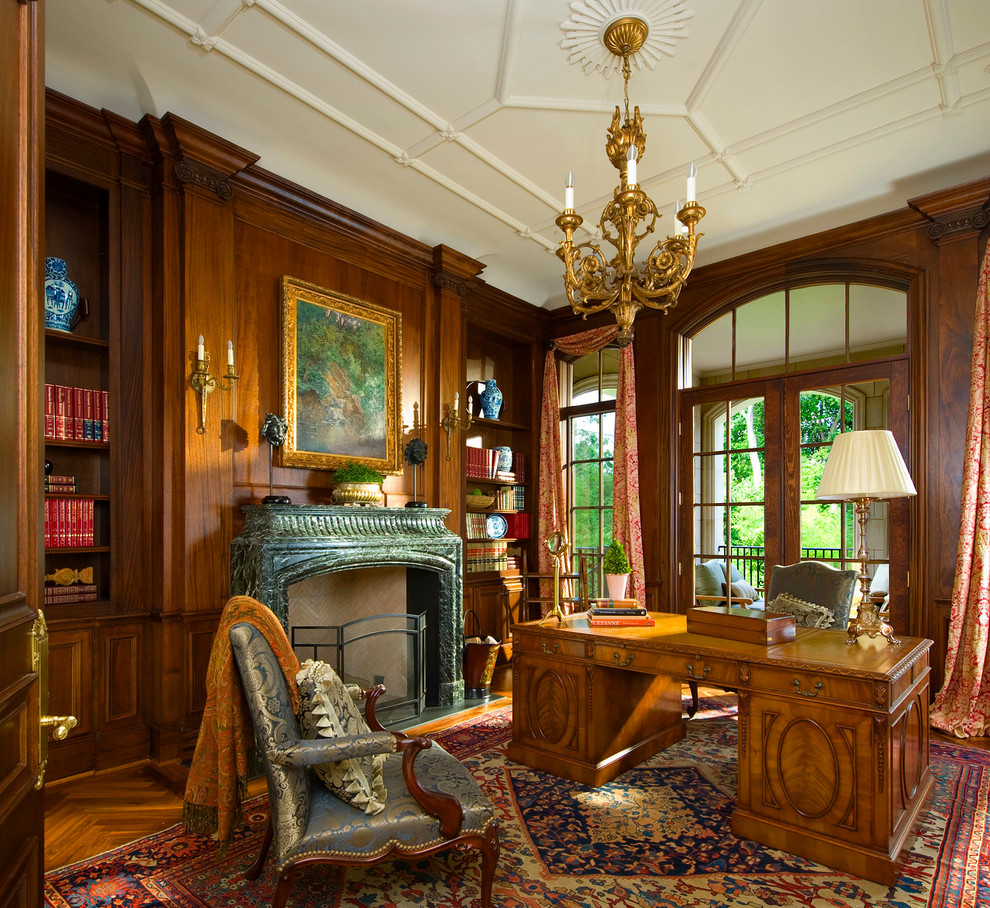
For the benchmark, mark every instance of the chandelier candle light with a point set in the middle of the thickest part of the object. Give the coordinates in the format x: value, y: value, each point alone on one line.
x: 594, y: 283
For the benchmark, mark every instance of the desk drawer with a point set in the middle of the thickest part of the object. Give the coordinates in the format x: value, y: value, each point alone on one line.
x: 705, y: 669
x: 827, y: 688
x: 548, y: 646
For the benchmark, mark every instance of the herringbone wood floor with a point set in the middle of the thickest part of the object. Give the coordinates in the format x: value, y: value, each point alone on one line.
x: 87, y: 815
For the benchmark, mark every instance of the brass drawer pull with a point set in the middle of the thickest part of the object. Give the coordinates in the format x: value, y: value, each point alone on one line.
x: 617, y: 657
x: 551, y: 649
x: 819, y: 685
x: 702, y: 676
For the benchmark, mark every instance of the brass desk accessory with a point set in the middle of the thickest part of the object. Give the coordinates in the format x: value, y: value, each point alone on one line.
x: 557, y: 546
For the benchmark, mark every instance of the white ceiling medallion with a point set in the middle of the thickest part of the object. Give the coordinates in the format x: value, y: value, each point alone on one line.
x: 590, y: 18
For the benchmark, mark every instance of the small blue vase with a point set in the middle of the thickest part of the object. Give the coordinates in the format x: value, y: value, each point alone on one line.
x: 61, y: 296
x: 504, y: 458
x: 491, y: 400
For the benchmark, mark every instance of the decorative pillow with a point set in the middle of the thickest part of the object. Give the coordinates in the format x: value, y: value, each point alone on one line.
x: 327, y: 710
x: 708, y: 579
x: 743, y: 590
x: 806, y: 614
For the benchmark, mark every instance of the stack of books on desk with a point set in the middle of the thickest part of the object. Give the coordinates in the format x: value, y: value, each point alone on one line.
x: 618, y: 613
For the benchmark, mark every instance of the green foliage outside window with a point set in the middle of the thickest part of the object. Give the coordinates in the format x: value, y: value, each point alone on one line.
x: 820, y: 423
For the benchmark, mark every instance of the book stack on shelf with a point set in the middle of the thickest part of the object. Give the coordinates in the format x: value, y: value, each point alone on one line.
x: 62, y: 485
x: 492, y: 555
x: 70, y: 585
x: 474, y: 524
x: 482, y: 463
x: 68, y: 522
x: 76, y: 414
x: 77, y: 592
x: 510, y: 498
x: 618, y: 613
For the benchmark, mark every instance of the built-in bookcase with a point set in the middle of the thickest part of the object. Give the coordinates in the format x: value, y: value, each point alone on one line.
x: 77, y: 379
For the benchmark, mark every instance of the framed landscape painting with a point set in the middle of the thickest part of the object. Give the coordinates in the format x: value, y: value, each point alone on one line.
x: 341, y: 362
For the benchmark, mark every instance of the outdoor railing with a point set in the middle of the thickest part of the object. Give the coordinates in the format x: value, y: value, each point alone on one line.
x: 750, y: 560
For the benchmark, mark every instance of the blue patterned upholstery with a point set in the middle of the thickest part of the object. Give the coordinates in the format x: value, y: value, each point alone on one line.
x: 817, y: 582
x: 309, y: 821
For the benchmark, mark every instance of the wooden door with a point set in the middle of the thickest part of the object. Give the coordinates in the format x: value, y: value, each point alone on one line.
x: 21, y: 326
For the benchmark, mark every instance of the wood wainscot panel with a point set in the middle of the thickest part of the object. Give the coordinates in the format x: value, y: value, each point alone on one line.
x: 19, y: 882
x: 199, y: 643
x: 121, y: 646
x: 15, y: 714
x: 938, y: 630
x: 70, y: 684
x: 70, y: 676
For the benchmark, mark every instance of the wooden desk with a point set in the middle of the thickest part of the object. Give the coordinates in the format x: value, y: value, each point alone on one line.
x: 833, y: 738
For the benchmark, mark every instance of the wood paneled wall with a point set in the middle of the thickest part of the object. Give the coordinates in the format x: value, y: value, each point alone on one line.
x: 933, y: 248
x: 201, y: 237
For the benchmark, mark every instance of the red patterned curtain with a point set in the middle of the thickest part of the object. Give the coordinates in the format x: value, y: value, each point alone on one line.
x: 552, y: 517
x: 962, y: 707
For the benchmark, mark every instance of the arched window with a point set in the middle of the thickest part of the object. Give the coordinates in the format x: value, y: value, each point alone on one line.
x: 766, y: 387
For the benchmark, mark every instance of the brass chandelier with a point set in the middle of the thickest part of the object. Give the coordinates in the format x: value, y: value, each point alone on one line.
x: 594, y: 283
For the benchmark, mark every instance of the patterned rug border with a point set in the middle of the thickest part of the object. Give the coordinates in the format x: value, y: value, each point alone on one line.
x: 572, y: 859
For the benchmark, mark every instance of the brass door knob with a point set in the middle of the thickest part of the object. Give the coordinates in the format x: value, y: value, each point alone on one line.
x: 60, y: 725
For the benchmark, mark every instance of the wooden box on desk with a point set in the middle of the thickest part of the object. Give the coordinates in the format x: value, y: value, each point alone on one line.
x: 749, y: 625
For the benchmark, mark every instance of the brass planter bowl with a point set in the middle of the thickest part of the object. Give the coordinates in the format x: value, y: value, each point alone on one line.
x: 357, y: 493
x: 479, y: 502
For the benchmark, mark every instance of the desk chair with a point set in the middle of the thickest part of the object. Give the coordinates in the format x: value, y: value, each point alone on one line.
x: 817, y: 583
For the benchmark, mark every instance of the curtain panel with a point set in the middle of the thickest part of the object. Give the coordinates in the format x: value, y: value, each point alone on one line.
x: 962, y: 707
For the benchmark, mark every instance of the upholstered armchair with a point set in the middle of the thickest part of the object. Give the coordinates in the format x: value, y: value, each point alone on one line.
x: 793, y: 587
x: 309, y: 824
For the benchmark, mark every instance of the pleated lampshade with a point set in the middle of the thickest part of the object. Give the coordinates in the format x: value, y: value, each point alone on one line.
x: 865, y: 464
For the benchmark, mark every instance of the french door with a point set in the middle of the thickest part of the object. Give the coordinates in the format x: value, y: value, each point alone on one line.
x: 751, y: 455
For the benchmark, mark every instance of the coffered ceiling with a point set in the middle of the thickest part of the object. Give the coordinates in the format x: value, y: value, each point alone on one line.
x: 456, y: 121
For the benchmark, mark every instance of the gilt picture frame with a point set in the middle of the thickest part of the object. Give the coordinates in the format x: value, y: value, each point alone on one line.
x: 341, y: 365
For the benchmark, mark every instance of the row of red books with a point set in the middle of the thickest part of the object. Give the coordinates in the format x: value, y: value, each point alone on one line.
x: 518, y: 526
x: 77, y: 592
x: 68, y: 522
x: 79, y: 414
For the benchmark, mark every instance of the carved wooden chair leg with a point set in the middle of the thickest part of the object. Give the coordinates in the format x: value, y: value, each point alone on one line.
x: 254, y: 871
x: 489, y: 860
x: 282, y: 888
x: 693, y: 708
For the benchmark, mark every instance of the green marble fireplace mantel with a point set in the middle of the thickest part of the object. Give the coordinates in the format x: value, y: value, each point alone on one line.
x: 282, y: 544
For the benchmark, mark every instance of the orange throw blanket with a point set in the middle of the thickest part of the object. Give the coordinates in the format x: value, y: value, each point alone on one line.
x: 219, y: 773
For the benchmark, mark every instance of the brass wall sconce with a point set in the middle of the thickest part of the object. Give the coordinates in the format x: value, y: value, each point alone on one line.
x: 453, y: 421
x: 203, y: 383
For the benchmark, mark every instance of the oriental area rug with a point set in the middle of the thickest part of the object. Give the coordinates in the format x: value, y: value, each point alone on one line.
x: 656, y: 837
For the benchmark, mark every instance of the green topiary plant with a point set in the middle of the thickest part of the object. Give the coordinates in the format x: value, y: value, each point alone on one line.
x: 615, y: 559
x: 352, y: 471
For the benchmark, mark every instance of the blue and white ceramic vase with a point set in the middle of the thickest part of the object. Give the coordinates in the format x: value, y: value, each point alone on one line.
x: 491, y: 400
x: 61, y: 296
x: 504, y: 458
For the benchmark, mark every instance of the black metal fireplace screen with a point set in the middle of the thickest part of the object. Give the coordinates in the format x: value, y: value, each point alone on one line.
x: 395, y: 644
